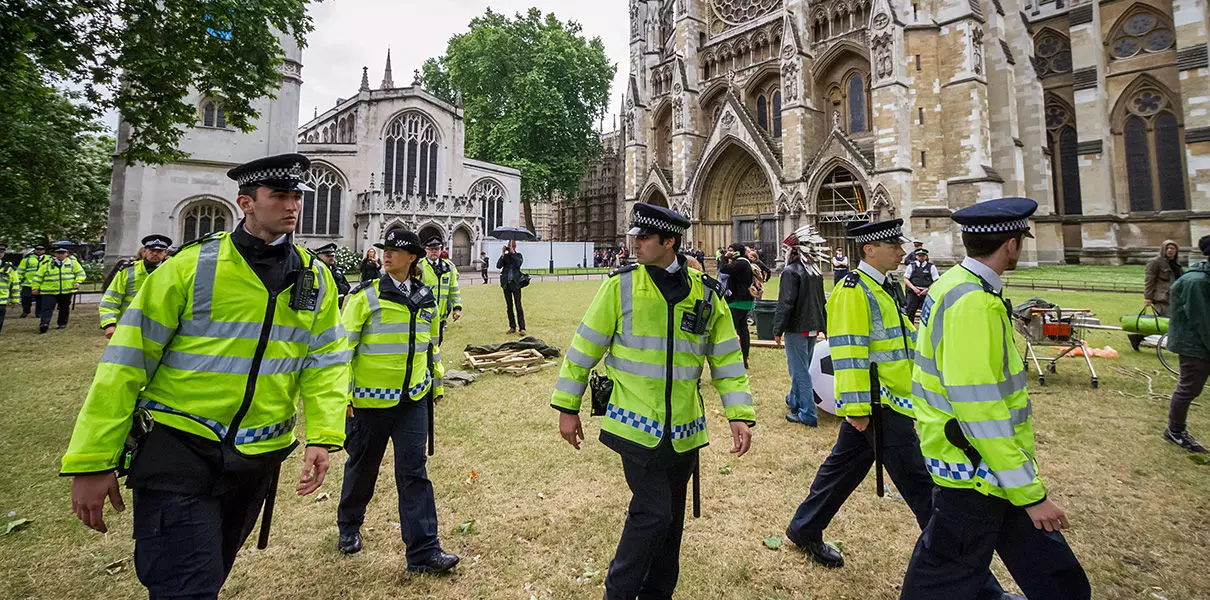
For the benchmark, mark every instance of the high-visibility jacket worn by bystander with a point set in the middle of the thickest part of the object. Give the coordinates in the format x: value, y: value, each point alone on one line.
x: 121, y: 292
x: 968, y: 369
x: 60, y: 278
x: 394, y: 342
x: 29, y: 267
x: 208, y: 350
x: 10, y: 284
x: 443, y: 281
x: 866, y: 325
x: 655, y: 364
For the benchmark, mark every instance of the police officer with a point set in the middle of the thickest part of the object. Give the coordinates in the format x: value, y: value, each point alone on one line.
x: 441, y: 276
x: 397, y: 380
x: 658, y: 320
x: 10, y: 282
x: 26, y: 270
x: 866, y: 325
x: 54, y: 284
x: 216, y: 350
x: 919, y: 276
x: 327, y: 254
x: 976, y: 431
x: 129, y: 280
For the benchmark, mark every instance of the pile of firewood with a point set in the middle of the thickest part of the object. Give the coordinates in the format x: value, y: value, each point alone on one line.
x: 513, y: 362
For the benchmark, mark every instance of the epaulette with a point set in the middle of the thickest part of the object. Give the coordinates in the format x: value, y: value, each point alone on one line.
x: 851, y: 279
x: 713, y: 284
x: 205, y: 238
x: 624, y: 269
x: 361, y: 286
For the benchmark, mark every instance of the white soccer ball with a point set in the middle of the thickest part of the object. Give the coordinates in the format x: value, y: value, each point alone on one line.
x: 823, y: 378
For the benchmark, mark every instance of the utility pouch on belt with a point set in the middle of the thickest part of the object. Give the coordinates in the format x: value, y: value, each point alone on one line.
x: 139, y: 428
x: 954, y: 435
x: 602, y: 388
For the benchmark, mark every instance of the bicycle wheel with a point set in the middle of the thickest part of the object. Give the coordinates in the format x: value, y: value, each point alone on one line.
x: 1168, y: 359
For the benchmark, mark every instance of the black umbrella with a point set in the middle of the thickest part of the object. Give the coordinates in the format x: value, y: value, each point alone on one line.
x: 519, y: 234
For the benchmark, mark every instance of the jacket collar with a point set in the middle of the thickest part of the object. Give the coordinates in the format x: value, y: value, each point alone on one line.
x: 983, y: 272
x: 874, y: 274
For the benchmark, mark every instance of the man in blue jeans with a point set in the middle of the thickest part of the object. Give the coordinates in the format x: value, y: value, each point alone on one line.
x: 800, y: 318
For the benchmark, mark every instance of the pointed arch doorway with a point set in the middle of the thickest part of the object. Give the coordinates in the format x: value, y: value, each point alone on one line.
x: 737, y: 204
x: 841, y: 201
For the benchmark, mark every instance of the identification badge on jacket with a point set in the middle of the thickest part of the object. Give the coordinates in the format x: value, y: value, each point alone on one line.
x: 695, y: 322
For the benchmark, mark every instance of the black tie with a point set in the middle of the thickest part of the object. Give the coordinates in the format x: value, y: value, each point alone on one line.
x: 893, y: 290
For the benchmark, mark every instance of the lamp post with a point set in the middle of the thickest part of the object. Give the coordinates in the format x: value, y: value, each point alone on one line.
x: 552, y: 255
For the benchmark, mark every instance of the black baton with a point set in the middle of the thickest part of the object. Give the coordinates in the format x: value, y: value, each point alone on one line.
x: 266, y: 520
x: 876, y: 425
x: 697, y: 487
x: 431, y: 439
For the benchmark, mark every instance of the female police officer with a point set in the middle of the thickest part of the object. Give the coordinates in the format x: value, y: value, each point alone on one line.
x: 397, y: 373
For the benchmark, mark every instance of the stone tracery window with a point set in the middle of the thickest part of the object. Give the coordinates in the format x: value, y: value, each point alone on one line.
x: 1053, y: 52
x: 490, y: 196
x: 729, y: 13
x: 321, y: 209
x: 1064, y: 159
x: 412, y: 148
x: 203, y: 218
x: 1141, y: 30
x: 212, y: 114
x: 1151, y: 137
x: 857, y: 104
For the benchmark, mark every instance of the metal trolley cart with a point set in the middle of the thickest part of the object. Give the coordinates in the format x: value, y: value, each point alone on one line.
x: 1055, y: 327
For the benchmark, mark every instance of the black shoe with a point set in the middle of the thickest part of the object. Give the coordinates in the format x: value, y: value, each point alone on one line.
x: 821, y: 552
x: 23, y: 315
x: 1184, y: 440
x: 350, y: 544
x: 60, y: 327
x: 439, y: 562
x: 511, y: 331
x: 42, y: 328
x: 1135, y: 340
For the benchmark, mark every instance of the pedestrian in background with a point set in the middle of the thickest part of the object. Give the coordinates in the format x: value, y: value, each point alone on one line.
x: 509, y: 263
x: 918, y: 278
x: 840, y: 266
x: 1189, y: 338
x: 10, y: 284
x: 371, y: 267
x: 54, y: 284
x: 1161, y: 272
x: 737, y: 271
x: 799, y: 319
x: 483, y: 265
x: 26, y: 270
x: 128, y: 280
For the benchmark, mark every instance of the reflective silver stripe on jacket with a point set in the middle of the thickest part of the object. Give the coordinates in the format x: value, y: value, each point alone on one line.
x: 652, y: 371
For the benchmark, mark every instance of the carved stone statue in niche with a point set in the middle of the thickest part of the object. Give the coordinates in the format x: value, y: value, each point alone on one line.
x: 636, y: 17
x: 678, y: 120
x: 630, y: 125
x: 977, y: 49
x: 789, y: 78
x: 836, y: 119
x: 884, y: 65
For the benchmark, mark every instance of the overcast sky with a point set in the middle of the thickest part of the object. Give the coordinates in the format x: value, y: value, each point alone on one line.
x: 350, y: 34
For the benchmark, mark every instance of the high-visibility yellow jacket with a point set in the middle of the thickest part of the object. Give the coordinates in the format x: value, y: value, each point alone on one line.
x: 866, y: 325
x: 654, y: 363
x: 394, y: 342
x: 445, y: 287
x: 207, y: 350
x: 968, y: 370
x: 59, y: 278
x: 10, y: 284
x: 121, y: 292
x: 29, y: 267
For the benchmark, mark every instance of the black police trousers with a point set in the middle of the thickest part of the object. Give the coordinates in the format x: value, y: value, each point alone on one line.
x: 185, y: 544
x: 648, y: 560
x: 3, y: 310
x: 46, y: 308
x: 847, y: 466
x: 367, y: 433
x: 27, y: 300
x: 955, y: 550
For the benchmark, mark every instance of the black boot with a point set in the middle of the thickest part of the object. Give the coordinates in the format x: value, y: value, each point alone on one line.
x: 1135, y: 340
x: 1184, y: 440
x: 822, y: 553
x: 349, y: 544
x: 439, y: 562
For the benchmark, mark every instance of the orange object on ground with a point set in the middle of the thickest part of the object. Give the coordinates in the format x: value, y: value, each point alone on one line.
x: 1106, y: 352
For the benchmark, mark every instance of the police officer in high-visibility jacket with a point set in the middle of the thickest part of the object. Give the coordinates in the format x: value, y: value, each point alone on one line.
x: 441, y: 276
x: 10, y: 282
x: 26, y: 269
x: 129, y: 280
x: 216, y: 350
x: 976, y: 429
x: 397, y: 380
x: 658, y: 321
x: 54, y: 284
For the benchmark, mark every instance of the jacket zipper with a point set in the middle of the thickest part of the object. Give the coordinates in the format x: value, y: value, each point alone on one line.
x: 668, y: 379
x: 254, y: 373
x: 407, y: 377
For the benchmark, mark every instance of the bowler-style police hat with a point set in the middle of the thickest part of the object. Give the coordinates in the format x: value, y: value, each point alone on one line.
x: 434, y: 242
x: 329, y: 249
x: 62, y: 248
x: 156, y: 241
x: 283, y: 173
x: 1002, y: 215
x: 649, y: 219
x: 890, y: 232
x: 39, y: 247
x: 401, y: 239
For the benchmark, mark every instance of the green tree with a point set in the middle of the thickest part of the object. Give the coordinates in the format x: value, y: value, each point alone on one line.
x: 533, y: 88
x: 142, y: 57
x: 55, y: 166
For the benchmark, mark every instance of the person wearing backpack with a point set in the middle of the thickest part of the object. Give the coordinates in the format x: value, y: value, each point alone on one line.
x: 736, y: 272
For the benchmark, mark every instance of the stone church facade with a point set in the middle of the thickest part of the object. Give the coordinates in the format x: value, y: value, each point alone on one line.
x: 753, y: 117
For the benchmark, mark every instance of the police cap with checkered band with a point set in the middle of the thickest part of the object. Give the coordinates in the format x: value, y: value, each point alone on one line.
x: 283, y: 173
x: 1002, y: 215
x: 649, y: 219
x: 890, y: 232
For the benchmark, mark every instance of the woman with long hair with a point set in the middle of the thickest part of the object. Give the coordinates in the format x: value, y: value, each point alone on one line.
x: 397, y: 380
x: 371, y: 267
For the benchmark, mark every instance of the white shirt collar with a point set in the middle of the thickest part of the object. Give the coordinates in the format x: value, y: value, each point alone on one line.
x: 874, y: 274
x: 279, y: 241
x: 674, y: 267
x: 985, y: 272
x: 403, y: 286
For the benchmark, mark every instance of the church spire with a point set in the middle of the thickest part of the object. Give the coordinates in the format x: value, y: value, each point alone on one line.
x: 365, y: 79
x: 387, y: 81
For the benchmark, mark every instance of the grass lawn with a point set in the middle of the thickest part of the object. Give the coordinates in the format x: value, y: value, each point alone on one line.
x: 547, y: 518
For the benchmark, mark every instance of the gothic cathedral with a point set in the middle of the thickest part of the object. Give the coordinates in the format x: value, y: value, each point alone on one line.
x: 752, y: 117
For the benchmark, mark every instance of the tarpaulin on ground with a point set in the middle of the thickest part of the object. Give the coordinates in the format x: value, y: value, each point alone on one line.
x: 525, y: 343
